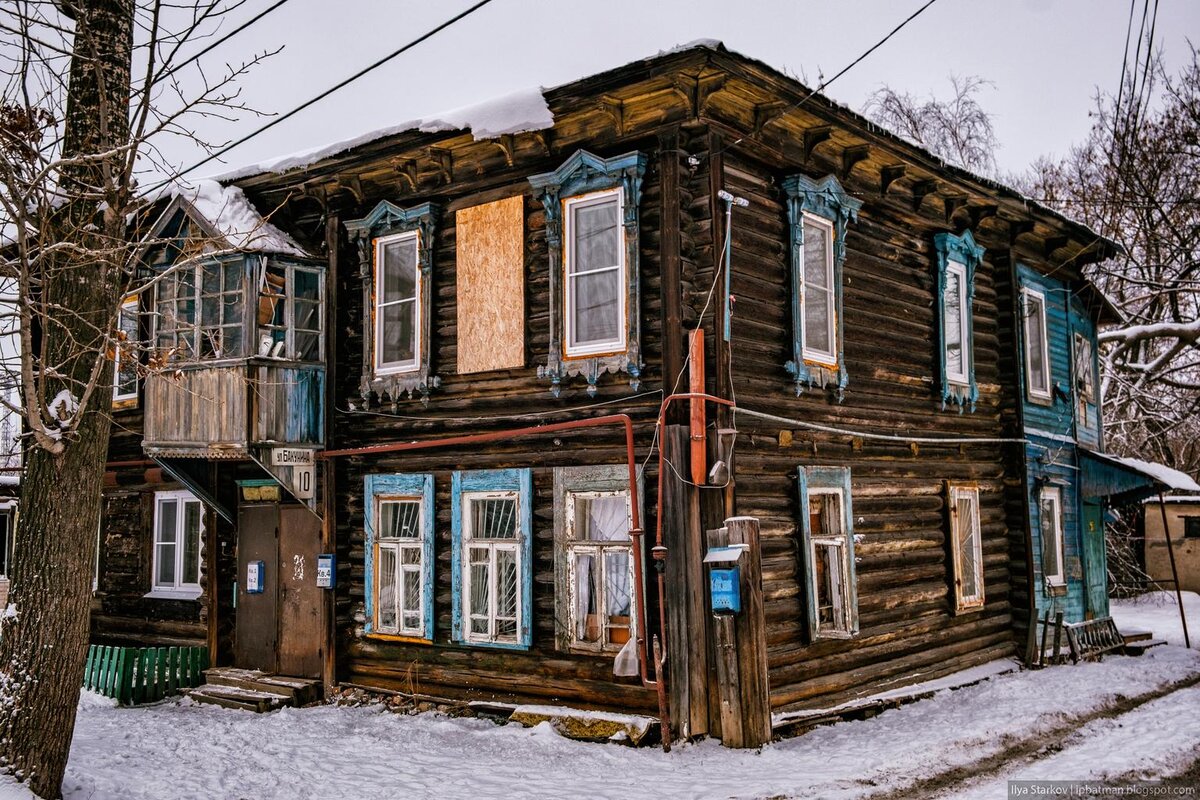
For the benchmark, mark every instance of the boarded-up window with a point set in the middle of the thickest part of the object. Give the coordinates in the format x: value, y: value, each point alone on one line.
x: 491, y: 285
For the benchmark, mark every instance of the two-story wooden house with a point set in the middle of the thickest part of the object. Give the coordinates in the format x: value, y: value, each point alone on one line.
x: 481, y: 365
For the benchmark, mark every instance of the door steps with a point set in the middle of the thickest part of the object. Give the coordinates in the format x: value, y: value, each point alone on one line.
x: 252, y: 690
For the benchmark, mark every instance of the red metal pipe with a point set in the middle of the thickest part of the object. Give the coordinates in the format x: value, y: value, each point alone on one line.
x: 696, y: 422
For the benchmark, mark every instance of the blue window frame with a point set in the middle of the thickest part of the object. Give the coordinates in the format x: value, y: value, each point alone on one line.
x: 399, y: 555
x: 958, y: 257
x: 827, y: 543
x: 491, y: 561
x: 818, y: 213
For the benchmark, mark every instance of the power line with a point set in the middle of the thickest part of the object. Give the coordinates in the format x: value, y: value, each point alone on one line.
x: 340, y: 85
x: 223, y: 39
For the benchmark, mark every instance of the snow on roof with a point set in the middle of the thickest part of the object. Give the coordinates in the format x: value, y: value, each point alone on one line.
x: 230, y: 214
x: 519, y: 112
x: 1173, y: 478
x: 1177, y: 498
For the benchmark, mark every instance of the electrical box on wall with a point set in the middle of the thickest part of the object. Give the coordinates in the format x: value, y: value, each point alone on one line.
x: 254, y: 577
x: 726, y: 590
x: 326, y: 573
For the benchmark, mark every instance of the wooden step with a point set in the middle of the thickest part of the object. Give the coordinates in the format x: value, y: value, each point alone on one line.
x: 234, y: 697
x: 1141, y: 646
x: 300, y: 691
x: 1131, y: 635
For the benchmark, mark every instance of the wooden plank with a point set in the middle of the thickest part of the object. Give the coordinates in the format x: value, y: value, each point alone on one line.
x: 669, y: 259
x: 751, y: 636
x: 674, y: 525
x: 491, y: 285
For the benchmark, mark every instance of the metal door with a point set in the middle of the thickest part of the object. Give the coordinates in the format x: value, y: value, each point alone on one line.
x: 257, y: 612
x: 301, y: 633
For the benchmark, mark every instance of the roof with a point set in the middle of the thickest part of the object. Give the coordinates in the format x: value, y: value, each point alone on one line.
x: 1177, y: 498
x: 1129, y: 479
x: 228, y: 214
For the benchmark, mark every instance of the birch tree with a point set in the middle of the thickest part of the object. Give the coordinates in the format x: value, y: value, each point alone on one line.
x: 92, y: 88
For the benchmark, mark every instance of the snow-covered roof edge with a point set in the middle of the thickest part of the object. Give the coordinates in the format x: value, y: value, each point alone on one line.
x: 229, y: 214
x: 1171, y: 478
x: 1176, y: 498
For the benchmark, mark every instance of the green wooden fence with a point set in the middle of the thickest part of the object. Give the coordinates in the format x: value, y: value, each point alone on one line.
x: 134, y: 675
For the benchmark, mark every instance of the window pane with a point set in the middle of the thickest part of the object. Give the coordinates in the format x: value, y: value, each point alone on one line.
x: 966, y: 512
x: 597, y: 307
x: 1050, y: 565
x: 596, y: 236
x: 399, y: 270
x: 506, y: 593
x: 587, y: 598
x: 480, y: 591
x: 385, y: 592
x: 398, y: 342
x: 818, y: 315
x: 167, y: 515
x: 1085, y: 376
x: 494, y: 518
x: 411, y: 599
x: 602, y: 519
x: 191, y: 542
x: 233, y: 277
x: 400, y: 519
x: 816, y: 256
x: 1034, y: 311
x: 307, y: 285
x: 952, y: 323
x: 617, y: 593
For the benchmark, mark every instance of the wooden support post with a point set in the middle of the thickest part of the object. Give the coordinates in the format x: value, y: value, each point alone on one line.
x: 741, y: 645
x: 1162, y: 508
x: 1045, y: 634
x: 1058, y: 629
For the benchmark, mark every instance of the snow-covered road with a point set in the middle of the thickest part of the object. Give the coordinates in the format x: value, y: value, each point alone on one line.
x: 179, y: 750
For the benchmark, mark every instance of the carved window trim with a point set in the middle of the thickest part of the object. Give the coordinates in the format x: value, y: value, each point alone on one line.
x: 388, y: 220
x: 960, y: 255
x: 824, y: 200
x: 583, y: 174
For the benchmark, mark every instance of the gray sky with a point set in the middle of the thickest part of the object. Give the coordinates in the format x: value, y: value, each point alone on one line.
x: 1045, y: 57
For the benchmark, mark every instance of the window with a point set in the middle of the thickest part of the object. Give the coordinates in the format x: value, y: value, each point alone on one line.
x: 490, y: 561
x: 395, y: 248
x: 178, y: 530
x: 827, y: 531
x: 966, y: 542
x: 397, y: 309
x: 1052, y: 536
x: 591, y: 206
x: 200, y: 311
x: 7, y: 541
x: 1191, y: 527
x: 595, y: 274
x: 958, y: 258
x: 1037, y: 349
x: 399, y: 530
x: 1085, y: 374
x: 594, y: 577
x: 125, y: 354
x: 290, y: 312
x: 818, y: 213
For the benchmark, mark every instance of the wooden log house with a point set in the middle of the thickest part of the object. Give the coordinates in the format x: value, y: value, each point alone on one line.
x: 861, y: 359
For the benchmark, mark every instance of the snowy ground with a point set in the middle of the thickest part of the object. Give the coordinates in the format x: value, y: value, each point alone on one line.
x: 1159, y: 612
x: 181, y: 750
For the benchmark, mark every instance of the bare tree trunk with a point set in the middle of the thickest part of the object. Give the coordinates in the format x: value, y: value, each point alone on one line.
x: 43, y: 647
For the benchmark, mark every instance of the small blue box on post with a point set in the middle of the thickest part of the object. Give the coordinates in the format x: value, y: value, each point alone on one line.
x: 326, y: 574
x: 725, y: 586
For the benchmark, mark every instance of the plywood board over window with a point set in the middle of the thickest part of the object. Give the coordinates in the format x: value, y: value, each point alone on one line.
x: 491, y: 285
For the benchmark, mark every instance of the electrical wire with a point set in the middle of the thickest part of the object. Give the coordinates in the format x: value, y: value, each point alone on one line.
x: 884, y: 437
x: 223, y: 39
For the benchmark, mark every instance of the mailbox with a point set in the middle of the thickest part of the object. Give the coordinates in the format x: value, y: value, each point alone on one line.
x: 725, y: 578
x: 325, y: 570
x: 254, y: 577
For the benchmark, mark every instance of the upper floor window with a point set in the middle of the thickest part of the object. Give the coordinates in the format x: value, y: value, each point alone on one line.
x: 966, y: 544
x: 395, y: 247
x: 591, y: 206
x: 958, y: 257
x: 178, y: 531
x: 492, y: 573
x: 125, y: 354
x: 827, y: 533
x: 399, y: 555
x: 200, y: 311
x: 818, y: 213
x: 595, y: 275
x: 291, y: 312
x: 1037, y: 347
x: 1085, y: 374
x: 1051, y: 527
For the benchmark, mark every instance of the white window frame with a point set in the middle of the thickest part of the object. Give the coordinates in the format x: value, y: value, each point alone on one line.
x: 1053, y: 493
x: 598, y: 550
x: 128, y: 307
x: 824, y: 358
x: 843, y: 625
x: 1026, y: 294
x: 398, y: 544
x: 9, y: 543
x: 618, y: 344
x: 963, y: 378
x: 492, y: 546
x: 177, y: 590
x: 397, y: 367
x: 963, y: 602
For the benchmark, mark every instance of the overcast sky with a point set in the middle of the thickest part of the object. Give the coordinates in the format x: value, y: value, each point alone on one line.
x: 1045, y: 58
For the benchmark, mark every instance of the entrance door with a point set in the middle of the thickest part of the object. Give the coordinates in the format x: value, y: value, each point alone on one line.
x: 279, y: 629
x: 1095, y: 562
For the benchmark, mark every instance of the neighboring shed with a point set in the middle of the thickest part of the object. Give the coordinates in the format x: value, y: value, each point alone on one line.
x: 1180, y: 516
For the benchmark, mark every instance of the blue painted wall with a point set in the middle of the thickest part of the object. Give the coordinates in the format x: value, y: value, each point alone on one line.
x: 1055, y: 461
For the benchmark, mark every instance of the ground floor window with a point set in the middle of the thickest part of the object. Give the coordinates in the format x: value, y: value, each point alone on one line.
x: 827, y: 531
x: 966, y: 543
x: 399, y: 527
x: 492, y: 524
x: 594, y: 577
x: 178, y: 530
x: 1052, y: 535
